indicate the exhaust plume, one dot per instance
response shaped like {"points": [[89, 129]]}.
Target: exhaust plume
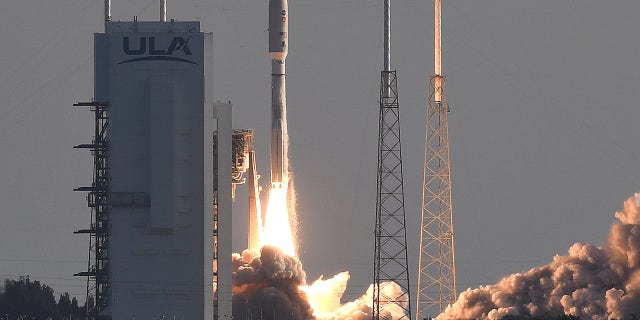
{"points": [[266, 286], [590, 282], [271, 285]]}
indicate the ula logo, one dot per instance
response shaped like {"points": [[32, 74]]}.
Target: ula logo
{"points": [[147, 48]]}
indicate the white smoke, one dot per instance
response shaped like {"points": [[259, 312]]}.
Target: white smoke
{"points": [[325, 298], [325, 294], [272, 285], [591, 282]]}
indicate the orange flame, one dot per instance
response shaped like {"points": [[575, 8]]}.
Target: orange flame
{"points": [[277, 226]]}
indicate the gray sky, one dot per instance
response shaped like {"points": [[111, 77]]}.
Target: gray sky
{"points": [[544, 97]]}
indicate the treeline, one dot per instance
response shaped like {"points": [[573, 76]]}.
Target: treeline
{"points": [[29, 300]]}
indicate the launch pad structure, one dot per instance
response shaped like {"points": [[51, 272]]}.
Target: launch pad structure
{"points": [[165, 163], [437, 272], [97, 274], [98, 281], [391, 256]]}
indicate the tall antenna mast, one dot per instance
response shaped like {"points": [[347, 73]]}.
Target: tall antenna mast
{"points": [[107, 13], [437, 51], [163, 10], [390, 262], [437, 273], [387, 36]]}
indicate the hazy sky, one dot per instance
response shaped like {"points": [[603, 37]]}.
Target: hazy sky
{"points": [[544, 143]]}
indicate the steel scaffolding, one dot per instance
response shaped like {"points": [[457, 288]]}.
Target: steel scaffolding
{"points": [[390, 263], [437, 273], [241, 162], [98, 280]]}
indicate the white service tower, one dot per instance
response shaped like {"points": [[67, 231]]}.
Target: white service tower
{"points": [[155, 77]]}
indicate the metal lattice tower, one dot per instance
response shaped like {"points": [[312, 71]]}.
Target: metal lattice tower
{"points": [[98, 280], [437, 273], [390, 263]]}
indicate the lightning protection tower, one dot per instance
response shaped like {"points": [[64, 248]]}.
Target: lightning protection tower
{"points": [[390, 263], [437, 273]]}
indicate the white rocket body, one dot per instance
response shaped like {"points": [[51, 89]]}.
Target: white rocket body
{"points": [[278, 49]]}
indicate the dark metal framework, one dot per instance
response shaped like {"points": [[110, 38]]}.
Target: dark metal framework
{"points": [[215, 225], [242, 146], [390, 264], [437, 276], [98, 280]]}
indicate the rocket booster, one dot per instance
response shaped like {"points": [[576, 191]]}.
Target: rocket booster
{"points": [[278, 49]]}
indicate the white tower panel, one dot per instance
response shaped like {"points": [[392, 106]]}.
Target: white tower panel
{"points": [[222, 165]]}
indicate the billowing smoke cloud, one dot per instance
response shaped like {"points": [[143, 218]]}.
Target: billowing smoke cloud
{"points": [[272, 285], [591, 282], [266, 286], [325, 295]]}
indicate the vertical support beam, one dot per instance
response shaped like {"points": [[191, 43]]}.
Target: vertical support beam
{"points": [[222, 189]]}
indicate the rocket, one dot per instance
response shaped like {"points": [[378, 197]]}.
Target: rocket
{"points": [[278, 49]]}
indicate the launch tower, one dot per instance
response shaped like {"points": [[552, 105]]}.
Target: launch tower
{"points": [[162, 186], [437, 273], [390, 262]]}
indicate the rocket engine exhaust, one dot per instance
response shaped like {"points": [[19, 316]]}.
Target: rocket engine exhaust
{"points": [[278, 49], [268, 279]]}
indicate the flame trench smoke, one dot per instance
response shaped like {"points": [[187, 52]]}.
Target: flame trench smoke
{"points": [[591, 282], [266, 286], [271, 285]]}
